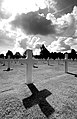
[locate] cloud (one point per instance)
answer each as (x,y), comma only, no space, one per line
(51,17)
(51,5)
(6,42)
(59,45)
(31,30)
(66,26)
(71,41)
(30,42)
(5,39)
(65,6)
(74,12)
(48,29)
(66,31)
(3,14)
(33,23)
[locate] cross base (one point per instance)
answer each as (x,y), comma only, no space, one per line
(21,64)
(8,69)
(3,64)
(38,97)
(35,66)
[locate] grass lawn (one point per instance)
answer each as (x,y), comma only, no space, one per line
(51,77)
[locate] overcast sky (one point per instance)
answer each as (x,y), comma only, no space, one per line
(30,23)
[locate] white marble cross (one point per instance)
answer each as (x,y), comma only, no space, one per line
(8,61)
(66,63)
(29,64)
(4,60)
(48,60)
(29,61)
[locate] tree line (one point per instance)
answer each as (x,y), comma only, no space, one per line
(44,54)
(55,55)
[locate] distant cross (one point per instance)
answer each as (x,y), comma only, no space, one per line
(3,62)
(29,64)
(8,69)
(66,63)
(8,63)
(58,61)
(48,60)
(38,97)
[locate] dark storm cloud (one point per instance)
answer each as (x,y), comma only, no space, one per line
(65,6)
(33,23)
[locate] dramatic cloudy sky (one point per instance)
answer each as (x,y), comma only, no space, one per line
(30,23)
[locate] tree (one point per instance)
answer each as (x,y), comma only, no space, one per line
(44,52)
(24,54)
(60,55)
(73,54)
(9,53)
(53,55)
(1,55)
(17,55)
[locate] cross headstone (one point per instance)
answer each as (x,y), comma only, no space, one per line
(48,60)
(29,64)
(8,63)
(58,61)
(8,69)
(38,97)
(3,62)
(66,63)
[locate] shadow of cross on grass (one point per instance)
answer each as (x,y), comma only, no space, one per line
(39,97)
(72,74)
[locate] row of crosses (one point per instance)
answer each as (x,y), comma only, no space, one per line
(37,97)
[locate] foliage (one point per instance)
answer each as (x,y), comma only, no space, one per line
(17,55)
(1,55)
(9,53)
(44,52)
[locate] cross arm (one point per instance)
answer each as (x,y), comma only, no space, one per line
(23,60)
(46,108)
(6,60)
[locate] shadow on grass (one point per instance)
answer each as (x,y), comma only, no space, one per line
(39,97)
(35,66)
(3,64)
(8,69)
(72,74)
(50,64)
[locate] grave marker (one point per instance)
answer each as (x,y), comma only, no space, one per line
(48,60)
(29,64)
(39,97)
(66,63)
(58,61)
(3,62)
(8,69)
(8,62)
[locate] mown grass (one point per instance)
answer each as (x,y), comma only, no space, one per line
(53,78)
